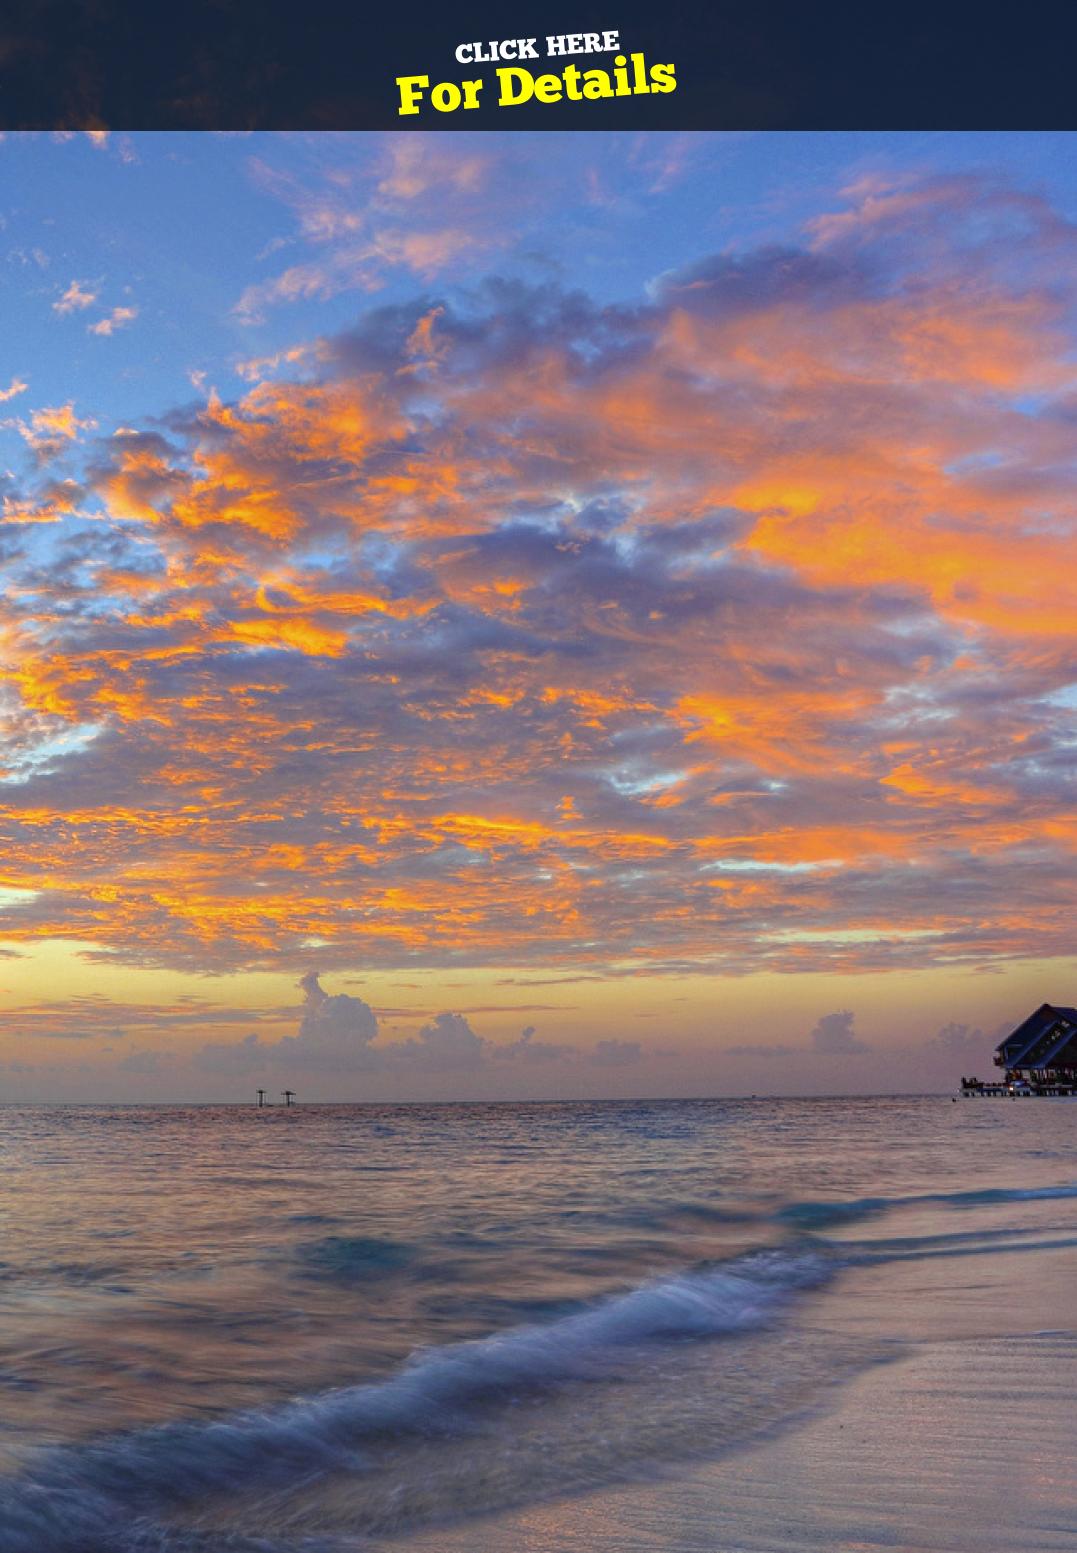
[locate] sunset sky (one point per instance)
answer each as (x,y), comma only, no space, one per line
(533,615)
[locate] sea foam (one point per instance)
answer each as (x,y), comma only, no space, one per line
(104,1497)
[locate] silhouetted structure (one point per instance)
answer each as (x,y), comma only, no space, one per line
(1039,1057)
(289,1095)
(1043,1048)
(261,1097)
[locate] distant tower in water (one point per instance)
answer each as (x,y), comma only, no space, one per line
(289,1095)
(261,1097)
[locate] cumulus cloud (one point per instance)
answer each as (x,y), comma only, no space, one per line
(446,1044)
(526,1050)
(118,317)
(958,1048)
(335,1034)
(961,1042)
(833,1035)
(75,298)
(339,1033)
(334,1022)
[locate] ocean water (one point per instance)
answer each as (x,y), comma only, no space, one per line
(337,1327)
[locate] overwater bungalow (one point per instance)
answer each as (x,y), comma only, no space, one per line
(1038,1058)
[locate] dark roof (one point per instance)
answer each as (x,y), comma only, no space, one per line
(1065,1056)
(1046,1039)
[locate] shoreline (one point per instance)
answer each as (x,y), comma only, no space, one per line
(907,1455)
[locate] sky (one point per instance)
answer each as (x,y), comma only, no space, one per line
(533,615)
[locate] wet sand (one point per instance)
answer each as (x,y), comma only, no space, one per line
(958,1448)
(965,1441)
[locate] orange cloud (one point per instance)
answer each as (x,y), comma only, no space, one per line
(74,299)
(733,629)
(118,317)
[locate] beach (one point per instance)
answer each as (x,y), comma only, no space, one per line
(685,1326)
(962,1442)
(962,1446)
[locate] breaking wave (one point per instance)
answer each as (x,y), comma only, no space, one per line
(821,1214)
(109,1496)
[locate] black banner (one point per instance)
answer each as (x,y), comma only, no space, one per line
(232,64)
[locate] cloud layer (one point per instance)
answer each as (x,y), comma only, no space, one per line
(730,628)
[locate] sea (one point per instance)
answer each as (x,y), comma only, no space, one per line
(696,1326)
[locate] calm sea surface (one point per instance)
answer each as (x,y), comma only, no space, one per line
(337,1327)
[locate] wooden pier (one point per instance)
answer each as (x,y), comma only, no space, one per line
(973,1089)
